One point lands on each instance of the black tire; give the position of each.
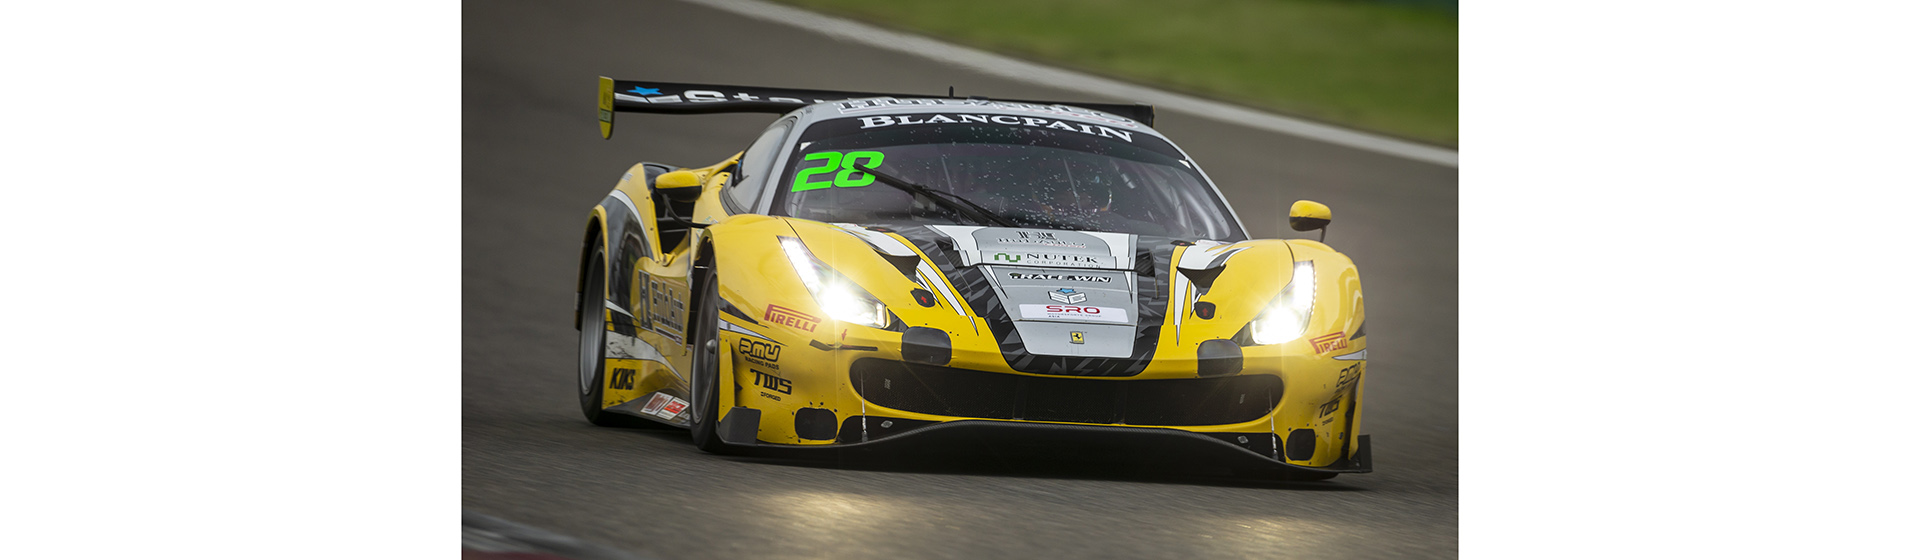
(705, 339)
(593, 349)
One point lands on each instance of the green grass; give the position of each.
(1388, 67)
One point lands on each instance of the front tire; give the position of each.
(705, 339)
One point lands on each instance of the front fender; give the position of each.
(1322, 369)
(784, 353)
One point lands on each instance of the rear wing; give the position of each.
(623, 96)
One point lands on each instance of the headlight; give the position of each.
(1286, 319)
(839, 297)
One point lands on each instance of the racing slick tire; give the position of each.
(593, 349)
(705, 338)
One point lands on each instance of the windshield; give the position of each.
(1034, 172)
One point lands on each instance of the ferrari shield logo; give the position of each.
(1079, 337)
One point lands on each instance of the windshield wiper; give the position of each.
(949, 200)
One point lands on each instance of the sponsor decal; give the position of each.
(783, 316)
(698, 96)
(672, 409)
(1073, 312)
(1348, 375)
(666, 307)
(761, 353)
(1049, 259)
(1331, 406)
(1041, 238)
(659, 400)
(1067, 295)
(1078, 337)
(1062, 259)
(844, 163)
(1088, 278)
(880, 121)
(885, 103)
(620, 378)
(1335, 341)
(772, 381)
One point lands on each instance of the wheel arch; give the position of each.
(595, 234)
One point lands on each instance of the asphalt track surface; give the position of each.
(534, 164)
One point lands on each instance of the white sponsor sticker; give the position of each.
(672, 409)
(1073, 312)
(659, 400)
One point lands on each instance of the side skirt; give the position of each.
(657, 406)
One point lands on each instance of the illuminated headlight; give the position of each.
(840, 302)
(1286, 319)
(839, 297)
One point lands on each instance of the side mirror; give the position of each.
(681, 186)
(1307, 215)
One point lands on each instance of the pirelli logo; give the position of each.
(1329, 343)
(796, 319)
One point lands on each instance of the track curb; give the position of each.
(484, 537)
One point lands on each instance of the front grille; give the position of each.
(1146, 402)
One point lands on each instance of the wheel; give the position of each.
(705, 338)
(593, 349)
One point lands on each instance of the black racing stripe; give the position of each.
(624, 323)
(727, 307)
(829, 347)
(624, 327)
(620, 226)
(976, 289)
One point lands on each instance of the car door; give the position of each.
(646, 349)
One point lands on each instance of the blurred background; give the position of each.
(1388, 66)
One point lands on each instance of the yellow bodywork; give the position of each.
(1321, 393)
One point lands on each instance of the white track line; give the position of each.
(1005, 67)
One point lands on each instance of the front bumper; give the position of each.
(1249, 452)
(950, 392)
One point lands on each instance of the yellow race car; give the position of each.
(879, 268)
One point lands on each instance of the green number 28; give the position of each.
(844, 163)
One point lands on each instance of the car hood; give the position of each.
(1028, 247)
(1058, 302)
